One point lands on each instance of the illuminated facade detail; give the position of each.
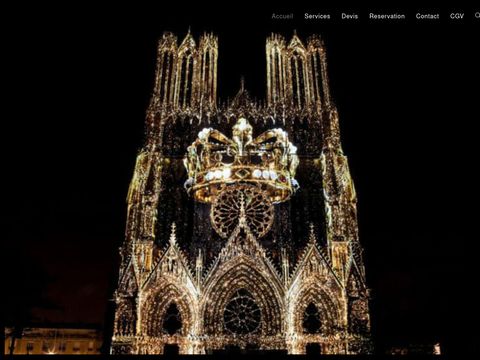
(241, 222)
(242, 315)
(246, 200)
(270, 160)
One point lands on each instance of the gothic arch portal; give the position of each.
(329, 310)
(242, 274)
(156, 305)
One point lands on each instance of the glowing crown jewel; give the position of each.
(214, 161)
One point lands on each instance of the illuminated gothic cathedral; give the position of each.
(241, 226)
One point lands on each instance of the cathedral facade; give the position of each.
(241, 223)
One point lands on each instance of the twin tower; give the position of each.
(241, 227)
(186, 73)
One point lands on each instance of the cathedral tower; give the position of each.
(241, 217)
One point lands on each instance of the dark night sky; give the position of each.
(407, 98)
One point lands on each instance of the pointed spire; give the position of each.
(188, 41)
(296, 42)
(311, 237)
(199, 259)
(173, 236)
(242, 99)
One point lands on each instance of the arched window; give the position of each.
(124, 325)
(299, 81)
(311, 320)
(166, 76)
(172, 320)
(186, 78)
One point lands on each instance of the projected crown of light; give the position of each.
(214, 161)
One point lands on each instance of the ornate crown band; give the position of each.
(214, 161)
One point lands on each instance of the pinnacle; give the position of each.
(173, 236)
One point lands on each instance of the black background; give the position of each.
(407, 96)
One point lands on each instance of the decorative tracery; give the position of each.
(125, 319)
(326, 311)
(242, 280)
(162, 316)
(242, 314)
(228, 206)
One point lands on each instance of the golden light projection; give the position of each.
(237, 200)
(214, 161)
(241, 215)
(241, 171)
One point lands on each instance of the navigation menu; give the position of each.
(429, 16)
